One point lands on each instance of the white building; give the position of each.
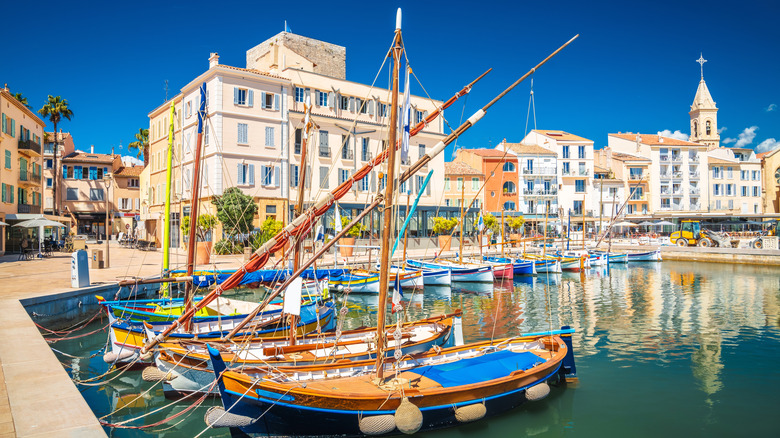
(537, 176)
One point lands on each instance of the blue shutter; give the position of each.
(235, 95)
(5, 124)
(251, 97)
(276, 176)
(251, 172)
(276, 102)
(240, 173)
(13, 128)
(262, 100)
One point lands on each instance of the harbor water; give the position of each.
(672, 348)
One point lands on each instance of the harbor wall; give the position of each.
(723, 255)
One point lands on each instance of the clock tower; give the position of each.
(704, 114)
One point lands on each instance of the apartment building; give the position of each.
(125, 193)
(462, 181)
(501, 183)
(574, 171)
(634, 172)
(20, 172)
(770, 172)
(537, 178)
(253, 135)
(735, 181)
(66, 147)
(85, 185)
(677, 171)
(609, 193)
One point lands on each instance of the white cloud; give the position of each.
(676, 134)
(769, 144)
(771, 107)
(132, 160)
(728, 140)
(722, 129)
(746, 137)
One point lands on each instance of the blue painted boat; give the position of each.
(520, 267)
(649, 256)
(457, 273)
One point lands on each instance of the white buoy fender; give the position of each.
(465, 414)
(377, 424)
(537, 392)
(408, 417)
(153, 374)
(217, 417)
(112, 357)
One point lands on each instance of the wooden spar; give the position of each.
(125, 283)
(583, 223)
(462, 217)
(167, 218)
(257, 260)
(299, 207)
(502, 234)
(544, 242)
(190, 288)
(406, 229)
(388, 213)
(633, 190)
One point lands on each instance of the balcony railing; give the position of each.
(694, 191)
(696, 206)
(666, 175)
(347, 154)
(29, 145)
(569, 172)
(677, 175)
(677, 158)
(325, 151)
(26, 208)
(539, 171)
(693, 175)
(694, 158)
(584, 172)
(664, 158)
(29, 177)
(635, 176)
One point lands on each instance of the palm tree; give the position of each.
(142, 144)
(55, 109)
(22, 100)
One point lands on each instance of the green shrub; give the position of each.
(269, 228)
(442, 225)
(225, 247)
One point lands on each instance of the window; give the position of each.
(93, 173)
(709, 127)
(269, 136)
(743, 175)
(729, 172)
(509, 167)
(268, 175)
(382, 110)
(730, 190)
(583, 171)
(49, 182)
(133, 182)
(716, 189)
(343, 175)
(246, 174)
(270, 209)
(72, 195)
(446, 183)
(509, 206)
(581, 152)
(756, 191)
(270, 101)
(243, 97)
(205, 138)
(49, 163)
(460, 184)
(419, 116)
(346, 151)
(293, 175)
(421, 151)
(578, 207)
(298, 140)
(322, 98)
(324, 148)
(361, 105)
(363, 185)
(637, 195)
(243, 133)
(565, 168)
(323, 177)
(756, 175)
(744, 191)
(7, 159)
(565, 152)
(579, 186)
(299, 94)
(343, 102)
(366, 155)
(716, 172)
(509, 187)
(96, 194)
(475, 184)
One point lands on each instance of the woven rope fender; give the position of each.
(112, 357)
(217, 417)
(537, 392)
(153, 374)
(408, 418)
(377, 424)
(465, 414)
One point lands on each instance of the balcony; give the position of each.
(30, 146)
(347, 154)
(677, 193)
(325, 151)
(677, 175)
(539, 171)
(636, 176)
(666, 175)
(28, 178)
(665, 158)
(676, 158)
(693, 175)
(26, 208)
(693, 158)
(569, 172)
(695, 207)
(694, 190)
(368, 157)
(638, 198)
(584, 172)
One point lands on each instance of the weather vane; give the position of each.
(701, 62)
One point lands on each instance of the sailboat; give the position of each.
(407, 394)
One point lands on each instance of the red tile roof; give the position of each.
(655, 140)
(491, 153)
(91, 158)
(560, 135)
(529, 149)
(131, 171)
(458, 168)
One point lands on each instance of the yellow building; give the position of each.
(66, 147)
(85, 189)
(462, 180)
(735, 181)
(20, 170)
(770, 170)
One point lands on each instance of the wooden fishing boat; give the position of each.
(186, 364)
(410, 279)
(613, 257)
(454, 386)
(457, 272)
(501, 270)
(162, 310)
(356, 282)
(649, 256)
(519, 266)
(433, 277)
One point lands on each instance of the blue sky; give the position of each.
(632, 69)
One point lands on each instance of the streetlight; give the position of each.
(107, 181)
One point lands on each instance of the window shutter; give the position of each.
(331, 99)
(137, 203)
(13, 128)
(251, 97)
(352, 104)
(428, 190)
(276, 176)
(235, 95)
(251, 172)
(276, 102)
(292, 175)
(371, 104)
(5, 124)
(240, 174)
(262, 100)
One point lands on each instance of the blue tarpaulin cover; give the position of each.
(204, 279)
(479, 369)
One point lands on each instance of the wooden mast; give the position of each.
(388, 214)
(406, 229)
(299, 207)
(502, 234)
(462, 218)
(583, 223)
(544, 242)
(189, 290)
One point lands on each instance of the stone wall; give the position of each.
(327, 59)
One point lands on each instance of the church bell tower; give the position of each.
(704, 114)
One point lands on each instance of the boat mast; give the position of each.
(190, 289)
(583, 223)
(462, 218)
(544, 242)
(388, 214)
(167, 218)
(406, 230)
(299, 207)
(502, 234)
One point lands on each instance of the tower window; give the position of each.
(695, 129)
(709, 127)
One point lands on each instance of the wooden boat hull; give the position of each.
(440, 277)
(357, 283)
(459, 274)
(650, 256)
(618, 258)
(501, 271)
(547, 266)
(519, 267)
(574, 264)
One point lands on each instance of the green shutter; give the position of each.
(13, 128)
(5, 124)
(3, 192)
(7, 159)
(11, 194)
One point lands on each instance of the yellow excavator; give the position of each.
(691, 234)
(758, 243)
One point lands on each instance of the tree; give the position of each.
(443, 225)
(236, 211)
(516, 223)
(141, 144)
(356, 229)
(492, 224)
(270, 228)
(55, 109)
(22, 100)
(206, 223)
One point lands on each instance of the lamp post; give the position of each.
(107, 181)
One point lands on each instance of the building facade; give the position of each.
(634, 171)
(735, 182)
(770, 172)
(537, 179)
(501, 183)
(66, 147)
(20, 173)
(86, 185)
(463, 183)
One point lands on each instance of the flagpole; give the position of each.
(167, 219)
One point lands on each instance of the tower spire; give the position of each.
(701, 62)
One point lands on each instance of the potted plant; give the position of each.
(268, 229)
(443, 226)
(206, 223)
(351, 237)
(516, 224)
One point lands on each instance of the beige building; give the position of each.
(537, 179)
(85, 189)
(735, 182)
(634, 172)
(462, 181)
(66, 147)
(253, 135)
(21, 168)
(770, 171)
(126, 198)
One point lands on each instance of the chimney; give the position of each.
(213, 59)
(92, 149)
(112, 151)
